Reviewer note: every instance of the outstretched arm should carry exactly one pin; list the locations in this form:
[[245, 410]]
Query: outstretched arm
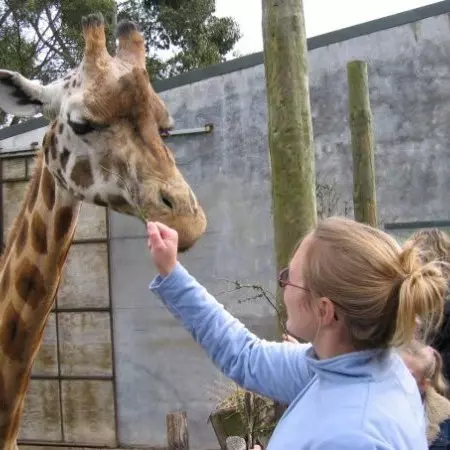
[[276, 370]]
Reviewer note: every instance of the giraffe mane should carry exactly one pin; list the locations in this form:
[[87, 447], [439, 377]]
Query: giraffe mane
[[15, 225]]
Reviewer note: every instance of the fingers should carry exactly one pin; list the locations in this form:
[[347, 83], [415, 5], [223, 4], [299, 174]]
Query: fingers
[[154, 236], [165, 231], [288, 338]]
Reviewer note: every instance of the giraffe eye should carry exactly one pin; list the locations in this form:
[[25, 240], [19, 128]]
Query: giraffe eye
[[86, 126]]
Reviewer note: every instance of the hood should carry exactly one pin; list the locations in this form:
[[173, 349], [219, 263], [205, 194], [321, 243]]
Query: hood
[[437, 409]]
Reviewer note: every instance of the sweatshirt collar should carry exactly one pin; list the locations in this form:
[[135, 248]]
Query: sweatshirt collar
[[366, 364]]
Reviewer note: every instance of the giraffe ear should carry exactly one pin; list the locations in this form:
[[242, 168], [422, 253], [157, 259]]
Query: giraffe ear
[[19, 95]]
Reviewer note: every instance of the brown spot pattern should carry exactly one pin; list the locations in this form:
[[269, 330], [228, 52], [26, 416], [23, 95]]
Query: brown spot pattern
[[30, 283], [117, 202], [6, 278], [122, 169], [61, 128], [46, 155], [82, 173], [99, 201], [105, 166], [34, 191], [60, 177], [48, 189], [13, 334], [46, 140], [53, 142], [22, 236], [63, 220], [38, 234], [63, 158], [4, 402]]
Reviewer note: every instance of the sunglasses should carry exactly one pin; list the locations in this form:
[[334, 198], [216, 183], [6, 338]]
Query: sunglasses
[[283, 280]]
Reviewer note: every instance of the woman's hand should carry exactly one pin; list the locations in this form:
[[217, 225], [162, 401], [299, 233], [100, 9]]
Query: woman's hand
[[162, 242], [288, 338]]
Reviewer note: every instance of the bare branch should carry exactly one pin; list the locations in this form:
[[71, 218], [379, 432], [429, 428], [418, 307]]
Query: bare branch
[[66, 54], [261, 292], [49, 44], [4, 18], [37, 69], [38, 48]]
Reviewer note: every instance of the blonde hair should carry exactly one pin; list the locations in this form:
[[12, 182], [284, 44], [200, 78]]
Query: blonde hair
[[433, 244], [377, 288], [430, 365]]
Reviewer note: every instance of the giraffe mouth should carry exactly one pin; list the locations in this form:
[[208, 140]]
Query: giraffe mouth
[[183, 248], [165, 132]]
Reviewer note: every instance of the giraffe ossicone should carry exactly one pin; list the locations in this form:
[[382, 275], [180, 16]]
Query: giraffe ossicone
[[103, 146]]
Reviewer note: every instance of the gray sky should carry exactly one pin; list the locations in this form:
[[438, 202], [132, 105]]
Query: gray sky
[[321, 16]]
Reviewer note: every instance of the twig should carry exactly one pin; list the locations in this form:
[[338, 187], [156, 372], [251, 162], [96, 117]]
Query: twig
[[5, 17], [261, 293], [49, 44], [249, 299], [58, 38]]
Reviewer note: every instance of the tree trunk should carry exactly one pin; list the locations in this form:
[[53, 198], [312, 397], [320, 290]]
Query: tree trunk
[[360, 120], [290, 128]]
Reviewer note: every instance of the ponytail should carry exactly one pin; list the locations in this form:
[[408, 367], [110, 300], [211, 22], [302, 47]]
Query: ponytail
[[378, 288], [421, 294]]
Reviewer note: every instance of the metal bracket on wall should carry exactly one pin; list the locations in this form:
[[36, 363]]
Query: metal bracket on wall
[[17, 152], [207, 128]]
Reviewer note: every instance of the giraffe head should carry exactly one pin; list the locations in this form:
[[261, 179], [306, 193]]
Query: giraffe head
[[104, 143]]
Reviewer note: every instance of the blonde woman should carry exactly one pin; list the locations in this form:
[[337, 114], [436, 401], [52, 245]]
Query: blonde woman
[[434, 245], [353, 294], [425, 364]]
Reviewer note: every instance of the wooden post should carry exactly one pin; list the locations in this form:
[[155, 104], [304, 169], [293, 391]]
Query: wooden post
[[290, 128], [360, 120], [177, 431]]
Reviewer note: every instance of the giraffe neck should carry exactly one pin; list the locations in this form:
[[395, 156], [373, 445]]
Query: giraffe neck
[[30, 273]]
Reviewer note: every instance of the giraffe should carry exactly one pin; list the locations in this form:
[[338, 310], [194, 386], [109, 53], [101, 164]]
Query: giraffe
[[103, 146]]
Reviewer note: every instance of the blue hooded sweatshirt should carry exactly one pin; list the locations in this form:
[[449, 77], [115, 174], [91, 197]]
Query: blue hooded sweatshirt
[[364, 400]]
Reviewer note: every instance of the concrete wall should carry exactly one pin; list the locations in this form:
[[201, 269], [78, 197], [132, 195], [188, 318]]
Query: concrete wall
[[410, 92], [158, 367]]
